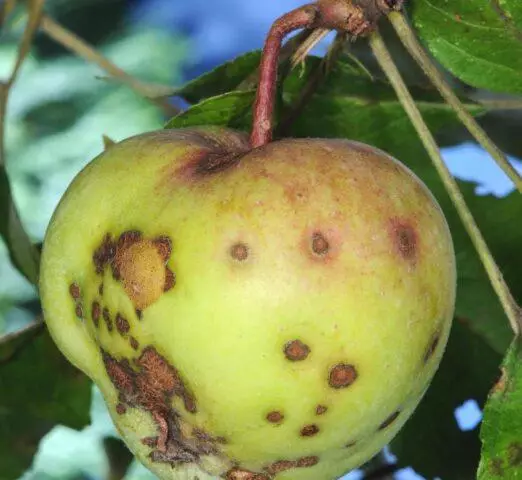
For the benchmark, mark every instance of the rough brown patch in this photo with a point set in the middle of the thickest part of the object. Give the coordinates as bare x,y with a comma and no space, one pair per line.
150,441
280,466
107,318
404,238
128,238
240,474
134,343
164,246
140,268
120,409
239,252
104,254
284,465
275,417
189,402
306,462
514,455
120,373
389,420
434,342
295,350
95,313
74,291
79,310
170,279
342,375
211,163
151,386
163,376
321,409
122,324
309,430
320,245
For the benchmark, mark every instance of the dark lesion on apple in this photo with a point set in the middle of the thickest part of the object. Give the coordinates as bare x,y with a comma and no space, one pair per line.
150,383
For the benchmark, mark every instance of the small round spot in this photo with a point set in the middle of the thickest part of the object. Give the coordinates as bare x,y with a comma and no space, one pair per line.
309,430
239,252
74,291
321,409
120,409
431,347
95,313
306,462
122,325
389,420
107,317
342,375
296,351
79,310
320,245
134,343
275,417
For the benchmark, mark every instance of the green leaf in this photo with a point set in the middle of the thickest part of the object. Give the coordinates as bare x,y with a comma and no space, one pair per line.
479,41
222,79
501,430
231,109
39,388
431,441
22,252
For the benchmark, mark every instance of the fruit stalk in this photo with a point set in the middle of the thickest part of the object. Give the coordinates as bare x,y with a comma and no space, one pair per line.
303,17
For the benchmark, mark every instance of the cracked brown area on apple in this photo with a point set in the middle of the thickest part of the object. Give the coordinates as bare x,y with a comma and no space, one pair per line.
139,264
149,382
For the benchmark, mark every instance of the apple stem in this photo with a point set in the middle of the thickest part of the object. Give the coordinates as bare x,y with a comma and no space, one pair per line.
303,17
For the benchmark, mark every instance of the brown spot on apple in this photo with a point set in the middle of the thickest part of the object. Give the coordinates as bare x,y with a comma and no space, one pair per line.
122,324
321,409
108,320
309,430
275,417
389,420
79,310
241,474
74,291
404,238
342,375
296,350
320,245
95,313
239,252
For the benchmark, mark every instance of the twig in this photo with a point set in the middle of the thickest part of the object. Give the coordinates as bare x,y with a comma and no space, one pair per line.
513,311
81,48
303,17
307,45
413,46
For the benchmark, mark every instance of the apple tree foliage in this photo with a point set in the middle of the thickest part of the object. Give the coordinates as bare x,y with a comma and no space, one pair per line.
478,44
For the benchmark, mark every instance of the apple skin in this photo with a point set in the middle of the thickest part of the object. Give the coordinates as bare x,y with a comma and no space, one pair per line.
250,314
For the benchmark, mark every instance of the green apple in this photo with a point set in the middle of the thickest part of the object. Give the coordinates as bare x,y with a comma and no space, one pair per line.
250,314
